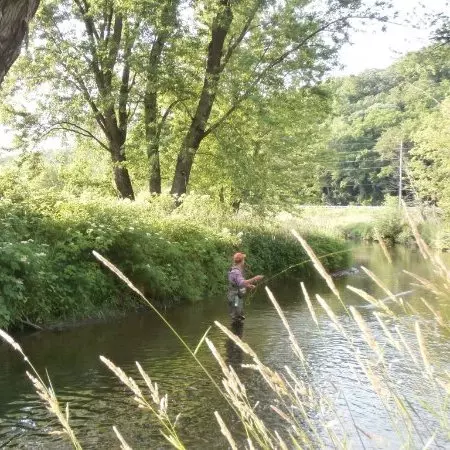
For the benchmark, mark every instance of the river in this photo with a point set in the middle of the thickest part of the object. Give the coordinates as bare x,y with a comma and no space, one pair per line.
98,400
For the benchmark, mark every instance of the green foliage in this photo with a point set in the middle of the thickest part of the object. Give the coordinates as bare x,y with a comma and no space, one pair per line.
129,79
391,223
430,157
436,234
47,271
266,156
359,231
380,111
43,276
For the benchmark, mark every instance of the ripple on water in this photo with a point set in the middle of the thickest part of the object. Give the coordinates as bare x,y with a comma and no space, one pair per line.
98,400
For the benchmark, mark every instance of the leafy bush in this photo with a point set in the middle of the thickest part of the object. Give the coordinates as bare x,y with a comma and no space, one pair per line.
389,224
48,273
359,231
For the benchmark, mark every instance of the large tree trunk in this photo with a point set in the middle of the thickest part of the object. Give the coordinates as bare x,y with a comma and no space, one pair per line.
155,176
153,125
123,182
151,116
117,138
121,175
185,160
14,18
220,28
154,165
152,137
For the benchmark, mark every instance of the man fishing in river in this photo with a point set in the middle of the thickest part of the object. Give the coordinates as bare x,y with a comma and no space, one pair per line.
238,285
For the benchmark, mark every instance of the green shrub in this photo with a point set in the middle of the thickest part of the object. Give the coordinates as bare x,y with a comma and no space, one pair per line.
48,273
389,224
437,235
359,231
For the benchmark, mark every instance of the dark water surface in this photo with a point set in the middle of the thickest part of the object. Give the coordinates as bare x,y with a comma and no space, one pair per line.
98,400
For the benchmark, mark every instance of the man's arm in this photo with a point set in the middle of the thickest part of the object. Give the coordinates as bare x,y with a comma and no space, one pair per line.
250,283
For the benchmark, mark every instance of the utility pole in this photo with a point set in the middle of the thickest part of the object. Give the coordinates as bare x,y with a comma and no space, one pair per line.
400,175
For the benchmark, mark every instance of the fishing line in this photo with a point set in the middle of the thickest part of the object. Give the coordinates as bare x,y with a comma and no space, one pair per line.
294,266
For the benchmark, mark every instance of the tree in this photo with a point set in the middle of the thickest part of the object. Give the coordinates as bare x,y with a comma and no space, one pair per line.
104,80
83,59
376,114
164,27
14,19
111,69
255,45
430,157
269,153
358,172
439,23
103,60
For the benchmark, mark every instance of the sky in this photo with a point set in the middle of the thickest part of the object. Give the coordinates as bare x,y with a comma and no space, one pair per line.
371,48
374,49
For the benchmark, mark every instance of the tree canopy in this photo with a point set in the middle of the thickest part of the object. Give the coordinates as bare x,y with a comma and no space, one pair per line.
230,99
379,115
157,83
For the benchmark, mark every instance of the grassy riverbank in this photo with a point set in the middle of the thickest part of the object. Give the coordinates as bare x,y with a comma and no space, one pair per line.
367,223
48,273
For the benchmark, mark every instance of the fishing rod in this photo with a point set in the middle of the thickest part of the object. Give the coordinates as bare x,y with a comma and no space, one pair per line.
293,266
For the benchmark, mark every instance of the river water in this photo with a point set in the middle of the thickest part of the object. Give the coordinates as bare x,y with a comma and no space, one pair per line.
98,400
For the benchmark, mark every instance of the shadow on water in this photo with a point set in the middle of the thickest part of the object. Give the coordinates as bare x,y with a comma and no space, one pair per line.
235,355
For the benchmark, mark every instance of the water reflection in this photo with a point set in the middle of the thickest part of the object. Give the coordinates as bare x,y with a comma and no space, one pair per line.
235,354
98,400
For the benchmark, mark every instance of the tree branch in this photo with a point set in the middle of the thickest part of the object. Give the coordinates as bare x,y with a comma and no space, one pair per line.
106,24
93,41
99,117
125,86
232,47
77,80
73,128
165,116
109,23
114,47
258,77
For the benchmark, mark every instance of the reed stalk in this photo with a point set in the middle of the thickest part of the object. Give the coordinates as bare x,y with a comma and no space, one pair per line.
377,281
372,300
310,306
45,393
319,267
383,245
123,444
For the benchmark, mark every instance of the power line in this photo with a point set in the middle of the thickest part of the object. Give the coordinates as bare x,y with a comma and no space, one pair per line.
344,185
364,168
366,150
335,158
337,161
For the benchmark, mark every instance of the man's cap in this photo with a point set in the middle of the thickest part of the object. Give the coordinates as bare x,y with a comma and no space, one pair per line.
239,257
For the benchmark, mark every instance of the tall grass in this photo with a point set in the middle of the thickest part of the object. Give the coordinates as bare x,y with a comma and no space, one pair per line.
308,417
385,224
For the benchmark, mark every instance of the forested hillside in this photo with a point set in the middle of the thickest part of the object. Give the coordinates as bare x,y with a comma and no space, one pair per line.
383,114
